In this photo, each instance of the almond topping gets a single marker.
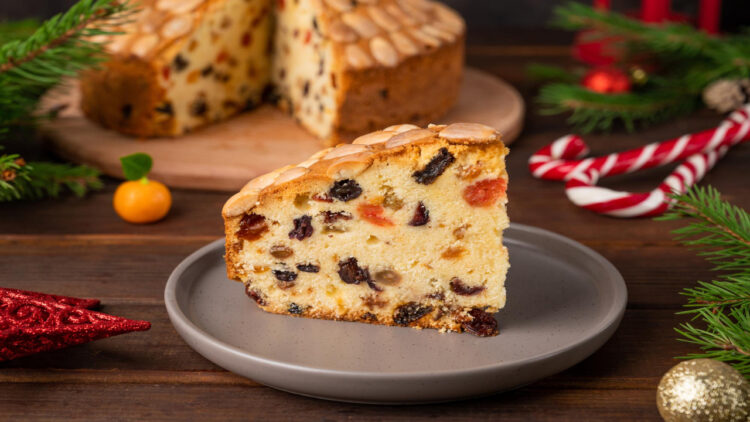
(143, 45)
(403, 44)
(409, 136)
(473, 132)
(383, 19)
(401, 128)
(439, 33)
(360, 23)
(345, 149)
(340, 32)
(357, 58)
(373, 138)
(340, 5)
(178, 7)
(424, 38)
(400, 15)
(177, 27)
(383, 51)
(451, 19)
(291, 174)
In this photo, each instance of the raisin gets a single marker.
(281, 251)
(295, 309)
(387, 277)
(252, 227)
(180, 63)
(373, 214)
(254, 295)
(435, 167)
(483, 324)
(421, 215)
(351, 273)
(302, 228)
(199, 107)
(412, 311)
(308, 268)
(207, 70)
(165, 108)
(485, 192)
(345, 190)
(384, 94)
(127, 111)
(306, 89)
(453, 252)
(282, 275)
(437, 296)
(458, 287)
(369, 316)
(333, 216)
(315, 24)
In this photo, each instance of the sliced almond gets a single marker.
(473, 132)
(383, 52)
(424, 38)
(177, 26)
(360, 23)
(404, 44)
(413, 11)
(383, 19)
(264, 180)
(349, 166)
(291, 174)
(340, 32)
(320, 154)
(345, 149)
(410, 136)
(400, 15)
(373, 138)
(439, 33)
(401, 128)
(142, 46)
(357, 57)
(308, 163)
(178, 7)
(340, 5)
(240, 203)
(450, 18)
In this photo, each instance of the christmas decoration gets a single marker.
(606, 80)
(727, 94)
(720, 232)
(33, 322)
(700, 151)
(31, 62)
(676, 62)
(703, 390)
(140, 200)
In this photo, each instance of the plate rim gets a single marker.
(610, 321)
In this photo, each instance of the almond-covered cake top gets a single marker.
(346, 161)
(369, 32)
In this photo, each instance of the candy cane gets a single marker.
(557, 161)
(701, 150)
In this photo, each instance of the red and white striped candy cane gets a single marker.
(702, 150)
(562, 159)
(582, 190)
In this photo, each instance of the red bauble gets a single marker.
(34, 322)
(606, 81)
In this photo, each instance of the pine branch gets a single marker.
(60, 47)
(24, 181)
(720, 232)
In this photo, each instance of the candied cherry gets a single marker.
(485, 193)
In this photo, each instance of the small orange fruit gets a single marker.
(142, 201)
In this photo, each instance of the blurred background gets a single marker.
(482, 15)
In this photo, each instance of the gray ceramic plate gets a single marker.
(564, 302)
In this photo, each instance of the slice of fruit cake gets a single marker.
(402, 227)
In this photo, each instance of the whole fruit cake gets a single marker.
(339, 67)
(402, 227)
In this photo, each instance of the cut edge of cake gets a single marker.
(466, 304)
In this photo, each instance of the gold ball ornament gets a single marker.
(701, 390)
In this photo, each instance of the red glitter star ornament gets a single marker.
(33, 322)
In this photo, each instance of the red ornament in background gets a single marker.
(606, 81)
(33, 322)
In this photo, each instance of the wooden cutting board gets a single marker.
(226, 155)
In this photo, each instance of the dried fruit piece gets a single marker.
(308, 268)
(482, 324)
(282, 275)
(435, 167)
(458, 287)
(410, 312)
(469, 172)
(302, 228)
(485, 192)
(333, 216)
(295, 309)
(453, 252)
(390, 200)
(345, 190)
(351, 273)
(369, 316)
(281, 251)
(387, 277)
(254, 295)
(421, 215)
(252, 227)
(373, 214)
(460, 231)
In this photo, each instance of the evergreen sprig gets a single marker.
(20, 180)
(720, 232)
(685, 61)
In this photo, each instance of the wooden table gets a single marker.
(81, 248)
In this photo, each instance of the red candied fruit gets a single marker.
(252, 227)
(246, 38)
(485, 192)
(373, 214)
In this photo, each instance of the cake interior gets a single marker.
(423, 254)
